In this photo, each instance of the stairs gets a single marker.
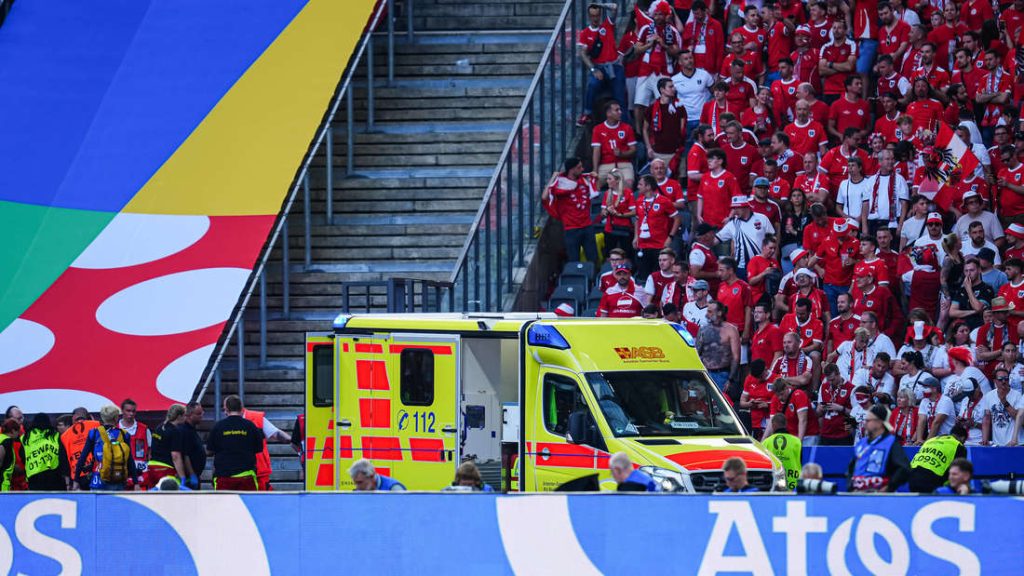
(406, 206)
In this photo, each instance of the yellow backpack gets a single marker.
(114, 468)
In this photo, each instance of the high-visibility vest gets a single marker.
(42, 451)
(5, 476)
(73, 440)
(787, 448)
(936, 454)
(263, 468)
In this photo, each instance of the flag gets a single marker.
(952, 154)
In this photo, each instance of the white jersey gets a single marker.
(747, 236)
(931, 408)
(885, 384)
(852, 196)
(693, 91)
(880, 207)
(1002, 422)
(695, 314)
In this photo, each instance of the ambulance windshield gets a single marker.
(656, 403)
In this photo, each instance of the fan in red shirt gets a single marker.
(834, 407)
(780, 37)
(869, 261)
(624, 299)
(967, 73)
(1011, 183)
(757, 396)
(946, 29)
(850, 110)
(893, 35)
(805, 57)
(567, 199)
(805, 135)
(783, 92)
(819, 25)
(741, 62)
(807, 288)
(793, 365)
(711, 113)
(801, 420)
(656, 224)
(697, 157)
(994, 90)
(705, 38)
(841, 328)
(975, 12)
(818, 229)
(838, 252)
(735, 294)
(717, 187)
(887, 124)
(838, 60)
(742, 89)
(762, 266)
(877, 299)
(739, 156)
(836, 161)
(766, 342)
(1013, 291)
(925, 110)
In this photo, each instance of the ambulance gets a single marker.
(539, 403)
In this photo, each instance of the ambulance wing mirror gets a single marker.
(578, 426)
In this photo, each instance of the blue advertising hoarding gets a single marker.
(184, 533)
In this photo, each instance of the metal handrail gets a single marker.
(324, 132)
(540, 98)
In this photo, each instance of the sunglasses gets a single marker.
(1002, 379)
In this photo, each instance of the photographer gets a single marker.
(879, 463)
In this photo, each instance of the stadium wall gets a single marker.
(184, 533)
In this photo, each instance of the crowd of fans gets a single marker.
(829, 195)
(117, 452)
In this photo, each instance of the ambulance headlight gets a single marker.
(668, 480)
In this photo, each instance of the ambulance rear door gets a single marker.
(318, 447)
(363, 409)
(425, 376)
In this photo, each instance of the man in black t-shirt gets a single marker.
(972, 297)
(234, 443)
(192, 444)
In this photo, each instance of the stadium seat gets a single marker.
(584, 269)
(594, 298)
(566, 294)
(580, 283)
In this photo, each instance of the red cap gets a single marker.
(960, 354)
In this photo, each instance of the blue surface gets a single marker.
(96, 96)
(427, 534)
(989, 463)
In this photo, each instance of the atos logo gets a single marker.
(640, 353)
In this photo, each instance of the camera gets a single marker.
(816, 487)
(1013, 487)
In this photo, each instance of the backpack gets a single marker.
(116, 452)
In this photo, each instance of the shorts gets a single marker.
(628, 175)
(245, 482)
(155, 473)
(647, 89)
(658, 156)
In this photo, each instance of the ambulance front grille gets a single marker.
(714, 482)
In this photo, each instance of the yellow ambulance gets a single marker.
(538, 402)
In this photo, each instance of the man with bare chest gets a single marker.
(718, 344)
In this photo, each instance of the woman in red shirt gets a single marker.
(618, 209)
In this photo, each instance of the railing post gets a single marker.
(552, 149)
(509, 251)
(329, 194)
(408, 21)
(519, 182)
(369, 83)
(307, 220)
(533, 192)
(241, 357)
(562, 120)
(391, 41)
(216, 394)
(499, 267)
(542, 153)
(350, 153)
(286, 277)
(263, 317)
(574, 65)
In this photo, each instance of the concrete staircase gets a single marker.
(416, 184)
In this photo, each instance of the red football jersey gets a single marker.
(716, 192)
(833, 422)
(798, 402)
(737, 298)
(806, 138)
(837, 52)
(847, 114)
(809, 332)
(841, 330)
(609, 138)
(739, 161)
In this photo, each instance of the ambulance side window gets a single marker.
(417, 382)
(323, 376)
(561, 396)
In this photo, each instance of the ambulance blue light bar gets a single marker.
(546, 336)
(341, 321)
(685, 334)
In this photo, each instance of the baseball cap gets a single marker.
(882, 413)
(620, 267)
(861, 271)
(803, 29)
(840, 225)
(700, 285)
(797, 254)
(934, 217)
(739, 201)
(968, 196)
(761, 181)
(928, 381)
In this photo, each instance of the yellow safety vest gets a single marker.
(936, 454)
(42, 451)
(788, 449)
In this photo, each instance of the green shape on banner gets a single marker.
(37, 244)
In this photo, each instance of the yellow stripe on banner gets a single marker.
(241, 159)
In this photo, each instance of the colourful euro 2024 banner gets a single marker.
(426, 534)
(145, 151)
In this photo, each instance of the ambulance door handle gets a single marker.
(344, 423)
(449, 429)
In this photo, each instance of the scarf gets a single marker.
(992, 81)
(904, 427)
(853, 359)
(891, 192)
(801, 361)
